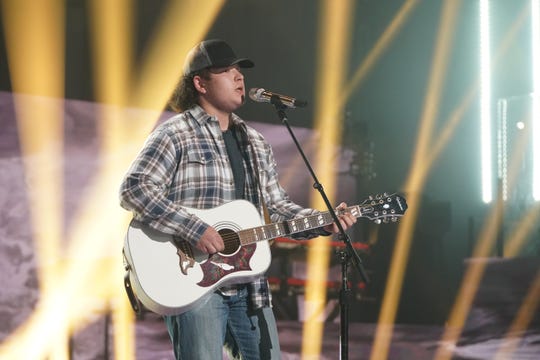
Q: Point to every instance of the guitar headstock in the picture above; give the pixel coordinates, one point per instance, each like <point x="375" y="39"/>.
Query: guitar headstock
<point x="384" y="208"/>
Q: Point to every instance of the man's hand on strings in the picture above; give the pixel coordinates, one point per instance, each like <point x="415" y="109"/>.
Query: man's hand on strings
<point x="211" y="242"/>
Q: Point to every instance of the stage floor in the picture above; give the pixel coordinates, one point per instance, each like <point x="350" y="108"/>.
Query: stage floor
<point x="416" y="342"/>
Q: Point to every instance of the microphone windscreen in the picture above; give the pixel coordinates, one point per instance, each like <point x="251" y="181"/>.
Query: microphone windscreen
<point x="255" y="94"/>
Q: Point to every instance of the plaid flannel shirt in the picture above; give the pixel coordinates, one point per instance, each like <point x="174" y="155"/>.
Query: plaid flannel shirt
<point x="184" y="162"/>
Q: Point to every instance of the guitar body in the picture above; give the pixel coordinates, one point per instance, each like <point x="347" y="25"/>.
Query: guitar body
<point x="169" y="276"/>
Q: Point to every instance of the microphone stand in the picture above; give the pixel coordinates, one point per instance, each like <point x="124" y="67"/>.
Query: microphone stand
<point x="346" y="255"/>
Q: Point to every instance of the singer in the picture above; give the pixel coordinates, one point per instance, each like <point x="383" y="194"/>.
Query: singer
<point x="203" y="157"/>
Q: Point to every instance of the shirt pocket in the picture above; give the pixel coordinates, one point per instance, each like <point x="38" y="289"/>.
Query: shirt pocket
<point x="201" y="178"/>
<point x="201" y="163"/>
<point x="197" y="155"/>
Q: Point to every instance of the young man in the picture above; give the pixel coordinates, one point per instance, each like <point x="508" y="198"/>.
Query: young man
<point x="200" y="158"/>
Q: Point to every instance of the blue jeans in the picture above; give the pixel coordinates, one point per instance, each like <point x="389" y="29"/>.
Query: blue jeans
<point x="229" y="321"/>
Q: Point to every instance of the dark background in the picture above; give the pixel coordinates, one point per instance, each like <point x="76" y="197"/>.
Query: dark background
<point x="382" y="116"/>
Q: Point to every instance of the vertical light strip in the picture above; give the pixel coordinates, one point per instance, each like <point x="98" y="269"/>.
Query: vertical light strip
<point x="535" y="36"/>
<point x="333" y="38"/>
<point x="112" y="35"/>
<point x="485" y="102"/>
<point x="502" y="150"/>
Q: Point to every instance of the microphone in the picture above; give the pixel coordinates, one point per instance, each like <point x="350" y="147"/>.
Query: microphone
<point x="261" y="95"/>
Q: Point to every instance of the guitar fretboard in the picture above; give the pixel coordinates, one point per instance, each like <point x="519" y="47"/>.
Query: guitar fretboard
<point x="272" y="231"/>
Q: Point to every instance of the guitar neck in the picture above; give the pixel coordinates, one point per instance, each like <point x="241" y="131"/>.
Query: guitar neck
<point x="289" y="227"/>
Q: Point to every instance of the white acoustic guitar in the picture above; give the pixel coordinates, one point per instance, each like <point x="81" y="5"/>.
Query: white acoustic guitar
<point x="169" y="276"/>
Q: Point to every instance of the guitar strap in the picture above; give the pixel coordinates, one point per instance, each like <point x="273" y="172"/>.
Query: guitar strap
<point x="266" y="213"/>
<point x="256" y="178"/>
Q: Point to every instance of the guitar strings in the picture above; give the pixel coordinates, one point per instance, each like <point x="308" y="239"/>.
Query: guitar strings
<point x="234" y="238"/>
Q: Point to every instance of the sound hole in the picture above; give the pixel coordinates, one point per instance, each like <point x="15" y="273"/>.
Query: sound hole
<point x="231" y="241"/>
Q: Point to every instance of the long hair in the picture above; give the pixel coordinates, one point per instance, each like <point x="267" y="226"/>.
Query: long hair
<point x="185" y="96"/>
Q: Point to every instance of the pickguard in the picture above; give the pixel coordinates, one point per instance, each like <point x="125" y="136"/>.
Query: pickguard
<point x="218" y="266"/>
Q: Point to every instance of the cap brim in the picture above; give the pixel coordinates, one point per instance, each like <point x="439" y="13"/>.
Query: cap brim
<point x="243" y="63"/>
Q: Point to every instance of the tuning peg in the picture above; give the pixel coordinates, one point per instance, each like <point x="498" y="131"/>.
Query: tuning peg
<point x="377" y="221"/>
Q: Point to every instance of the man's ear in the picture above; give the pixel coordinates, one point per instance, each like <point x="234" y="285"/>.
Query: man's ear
<point x="198" y="82"/>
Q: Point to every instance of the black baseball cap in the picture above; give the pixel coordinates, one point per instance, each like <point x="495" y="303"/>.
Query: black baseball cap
<point x="213" y="53"/>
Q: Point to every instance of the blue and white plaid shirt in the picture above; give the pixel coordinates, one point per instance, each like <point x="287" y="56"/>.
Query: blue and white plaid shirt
<point x="184" y="162"/>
